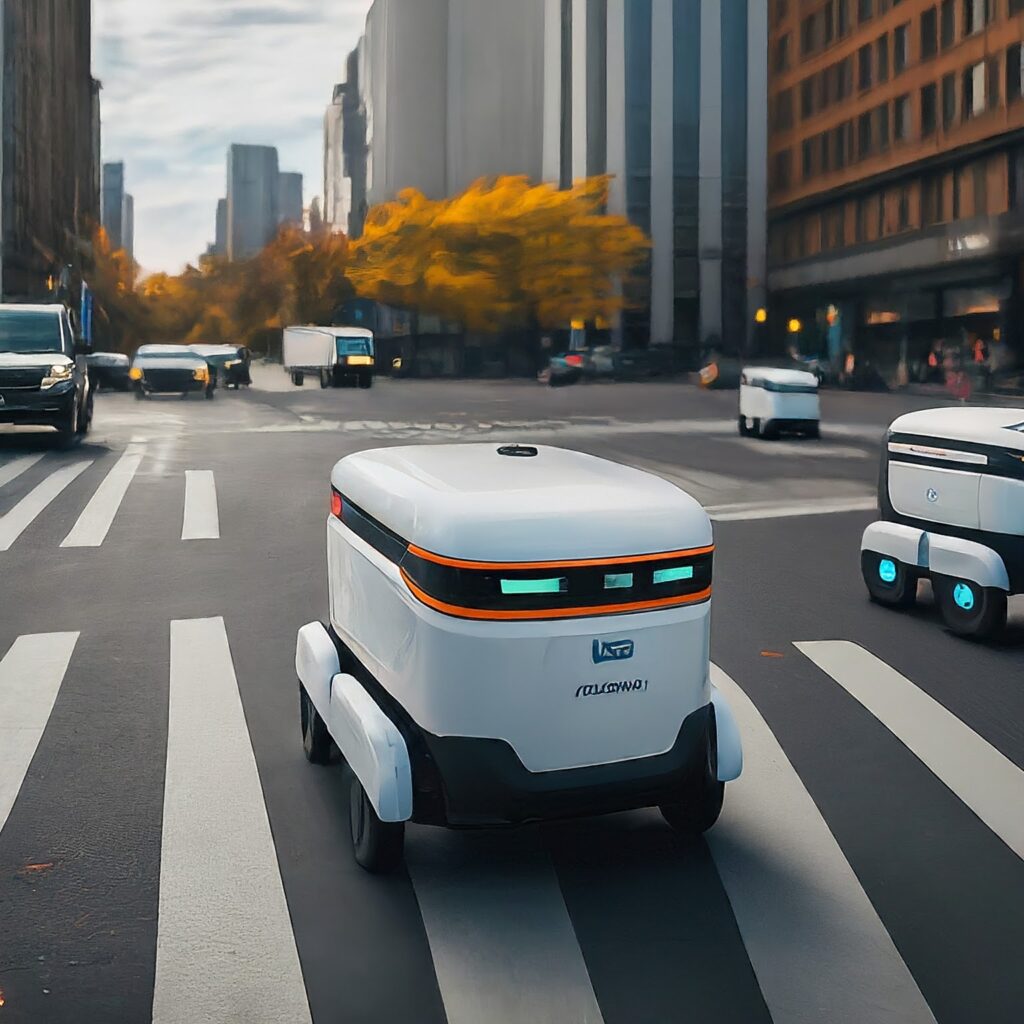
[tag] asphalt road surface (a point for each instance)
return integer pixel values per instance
(167, 854)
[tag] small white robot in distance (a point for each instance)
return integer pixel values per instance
(516, 634)
(774, 402)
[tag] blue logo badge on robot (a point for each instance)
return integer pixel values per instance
(964, 596)
(887, 570)
(612, 650)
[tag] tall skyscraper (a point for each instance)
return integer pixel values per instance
(128, 227)
(220, 246)
(252, 200)
(669, 97)
(113, 204)
(289, 198)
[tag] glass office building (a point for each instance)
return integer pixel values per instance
(668, 96)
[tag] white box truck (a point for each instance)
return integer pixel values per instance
(337, 356)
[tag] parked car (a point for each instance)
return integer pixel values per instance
(169, 369)
(562, 370)
(44, 376)
(109, 370)
(228, 364)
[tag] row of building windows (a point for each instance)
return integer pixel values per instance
(958, 97)
(940, 26)
(987, 186)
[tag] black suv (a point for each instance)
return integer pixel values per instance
(44, 378)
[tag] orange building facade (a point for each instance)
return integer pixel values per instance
(896, 180)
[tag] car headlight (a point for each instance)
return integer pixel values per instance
(202, 374)
(56, 374)
(135, 373)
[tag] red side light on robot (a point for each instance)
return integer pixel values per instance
(574, 360)
(335, 504)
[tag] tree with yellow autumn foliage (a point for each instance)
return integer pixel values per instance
(503, 254)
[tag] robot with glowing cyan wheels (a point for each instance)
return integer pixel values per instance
(951, 494)
(516, 634)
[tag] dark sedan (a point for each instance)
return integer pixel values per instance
(109, 370)
(169, 369)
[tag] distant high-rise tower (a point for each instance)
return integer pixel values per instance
(128, 226)
(112, 204)
(220, 246)
(252, 201)
(289, 198)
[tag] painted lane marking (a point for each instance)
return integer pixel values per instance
(24, 513)
(978, 774)
(95, 521)
(225, 947)
(816, 943)
(500, 935)
(12, 470)
(202, 519)
(31, 675)
(752, 511)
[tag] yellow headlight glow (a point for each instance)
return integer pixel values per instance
(202, 374)
(135, 373)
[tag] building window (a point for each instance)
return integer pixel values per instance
(1017, 177)
(958, 188)
(903, 209)
(779, 11)
(881, 129)
(992, 83)
(948, 23)
(948, 101)
(1016, 6)
(980, 175)
(928, 110)
(824, 157)
(901, 118)
(808, 34)
(782, 170)
(929, 40)
(865, 9)
(839, 147)
(1014, 78)
(900, 48)
(807, 159)
(864, 67)
(843, 17)
(977, 14)
(864, 135)
(780, 61)
(844, 74)
(973, 91)
(931, 200)
(829, 15)
(783, 119)
(807, 98)
(882, 52)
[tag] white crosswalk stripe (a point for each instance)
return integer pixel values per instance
(817, 945)
(31, 674)
(94, 523)
(225, 949)
(12, 470)
(14, 524)
(986, 781)
(202, 518)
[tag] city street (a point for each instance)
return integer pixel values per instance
(168, 854)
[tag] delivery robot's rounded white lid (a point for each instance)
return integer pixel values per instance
(758, 375)
(494, 502)
(1001, 428)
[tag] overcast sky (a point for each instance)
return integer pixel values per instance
(182, 79)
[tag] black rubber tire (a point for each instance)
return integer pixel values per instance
(744, 429)
(983, 621)
(85, 421)
(700, 808)
(767, 430)
(378, 845)
(900, 593)
(366, 383)
(325, 381)
(68, 431)
(316, 740)
(813, 431)
(298, 379)
(755, 428)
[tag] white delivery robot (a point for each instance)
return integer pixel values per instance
(775, 401)
(951, 494)
(516, 634)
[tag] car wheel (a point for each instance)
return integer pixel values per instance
(702, 804)
(316, 740)
(813, 431)
(298, 379)
(325, 381)
(85, 423)
(377, 845)
(768, 430)
(366, 383)
(968, 609)
(67, 432)
(744, 429)
(888, 580)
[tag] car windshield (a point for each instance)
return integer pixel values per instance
(354, 347)
(29, 332)
(165, 353)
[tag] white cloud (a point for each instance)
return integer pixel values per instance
(182, 80)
